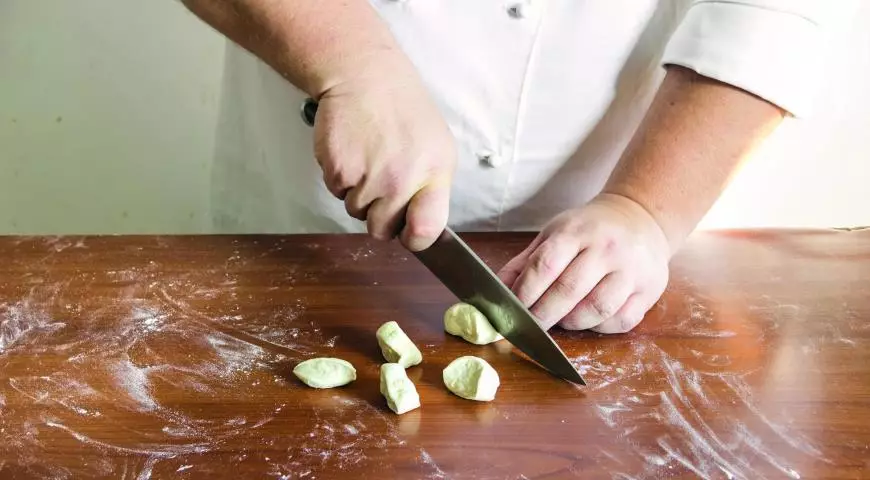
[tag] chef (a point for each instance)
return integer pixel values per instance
(609, 126)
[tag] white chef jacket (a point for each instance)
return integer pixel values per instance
(542, 97)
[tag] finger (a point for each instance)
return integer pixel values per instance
(545, 264)
(340, 177)
(357, 202)
(509, 273)
(384, 218)
(603, 302)
(629, 316)
(339, 182)
(573, 285)
(339, 193)
(426, 217)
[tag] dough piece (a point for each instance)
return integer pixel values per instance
(398, 389)
(463, 320)
(325, 372)
(471, 378)
(396, 346)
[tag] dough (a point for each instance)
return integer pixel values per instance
(463, 320)
(396, 346)
(471, 378)
(325, 372)
(398, 389)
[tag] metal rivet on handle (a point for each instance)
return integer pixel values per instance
(308, 110)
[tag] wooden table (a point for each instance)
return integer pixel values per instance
(138, 357)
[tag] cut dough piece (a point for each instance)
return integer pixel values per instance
(463, 320)
(471, 378)
(325, 372)
(396, 346)
(398, 389)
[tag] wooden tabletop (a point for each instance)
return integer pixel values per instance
(158, 357)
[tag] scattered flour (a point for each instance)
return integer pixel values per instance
(115, 365)
(673, 402)
(21, 320)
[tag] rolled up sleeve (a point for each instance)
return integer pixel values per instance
(770, 48)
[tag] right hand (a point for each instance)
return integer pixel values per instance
(386, 151)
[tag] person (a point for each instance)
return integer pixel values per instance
(610, 127)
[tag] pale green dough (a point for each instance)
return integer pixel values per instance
(325, 372)
(396, 346)
(398, 389)
(463, 320)
(471, 378)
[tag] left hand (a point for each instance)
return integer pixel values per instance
(599, 267)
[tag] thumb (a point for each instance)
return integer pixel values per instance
(426, 216)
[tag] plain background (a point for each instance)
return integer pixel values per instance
(108, 112)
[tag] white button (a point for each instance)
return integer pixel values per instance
(489, 158)
(520, 10)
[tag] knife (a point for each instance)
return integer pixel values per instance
(465, 274)
(473, 282)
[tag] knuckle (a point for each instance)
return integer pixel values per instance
(564, 286)
(602, 306)
(609, 246)
(391, 181)
(546, 259)
(422, 228)
(340, 179)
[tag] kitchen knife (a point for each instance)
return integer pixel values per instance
(467, 277)
(465, 274)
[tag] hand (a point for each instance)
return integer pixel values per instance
(387, 153)
(600, 267)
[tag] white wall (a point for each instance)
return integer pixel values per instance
(107, 116)
(108, 111)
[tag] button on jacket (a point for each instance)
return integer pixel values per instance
(542, 97)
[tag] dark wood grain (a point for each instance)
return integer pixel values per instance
(158, 357)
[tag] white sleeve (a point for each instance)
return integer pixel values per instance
(770, 48)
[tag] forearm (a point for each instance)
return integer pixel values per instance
(315, 44)
(693, 139)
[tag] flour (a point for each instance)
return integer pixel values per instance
(713, 360)
(361, 253)
(21, 320)
(700, 323)
(606, 412)
(116, 329)
(674, 402)
(145, 473)
(427, 460)
(135, 382)
(235, 357)
(148, 319)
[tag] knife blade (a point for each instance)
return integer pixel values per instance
(471, 280)
(464, 273)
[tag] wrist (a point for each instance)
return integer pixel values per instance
(376, 68)
(671, 234)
